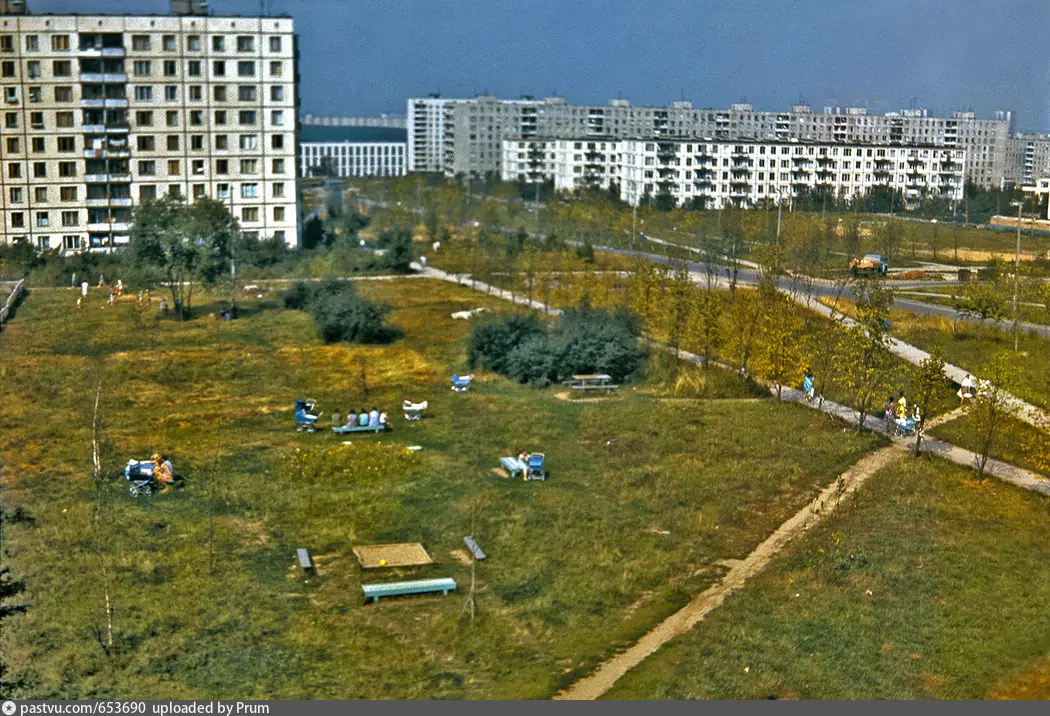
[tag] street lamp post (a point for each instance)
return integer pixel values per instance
(1017, 272)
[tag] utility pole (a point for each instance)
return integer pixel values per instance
(634, 224)
(780, 201)
(536, 219)
(1017, 273)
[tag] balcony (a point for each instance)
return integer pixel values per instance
(109, 103)
(101, 52)
(112, 153)
(106, 202)
(112, 78)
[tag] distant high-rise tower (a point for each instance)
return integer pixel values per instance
(12, 7)
(189, 7)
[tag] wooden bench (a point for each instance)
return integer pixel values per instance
(304, 560)
(472, 545)
(418, 586)
(592, 382)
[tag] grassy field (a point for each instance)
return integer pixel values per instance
(647, 492)
(929, 585)
(1009, 445)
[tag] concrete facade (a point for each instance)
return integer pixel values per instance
(743, 173)
(354, 159)
(104, 111)
(464, 134)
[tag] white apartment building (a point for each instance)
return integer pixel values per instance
(101, 112)
(742, 173)
(353, 159)
(467, 132)
(1027, 158)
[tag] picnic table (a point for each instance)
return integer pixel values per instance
(600, 381)
(513, 465)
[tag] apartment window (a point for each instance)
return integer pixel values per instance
(40, 194)
(277, 141)
(63, 94)
(11, 120)
(196, 93)
(43, 219)
(142, 68)
(140, 43)
(222, 166)
(197, 118)
(220, 117)
(218, 43)
(147, 169)
(67, 193)
(70, 218)
(7, 43)
(67, 144)
(198, 191)
(171, 68)
(278, 213)
(32, 43)
(249, 191)
(147, 192)
(144, 119)
(246, 93)
(245, 43)
(174, 190)
(277, 118)
(71, 243)
(193, 43)
(278, 190)
(173, 142)
(171, 118)
(222, 191)
(246, 117)
(171, 93)
(18, 219)
(67, 169)
(16, 195)
(250, 213)
(219, 93)
(33, 69)
(167, 42)
(277, 93)
(144, 93)
(218, 68)
(278, 166)
(245, 68)
(197, 167)
(62, 68)
(193, 68)
(221, 141)
(249, 141)
(145, 144)
(36, 120)
(7, 68)
(37, 145)
(275, 44)
(275, 68)
(40, 170)
(197, 142)
(59, 43)
(174, 166)
(13, 145)
(249, 166)
(36, 94)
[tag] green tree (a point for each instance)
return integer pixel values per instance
(989, 407)
(397, 246)
(183, 245)
(984, 301)
(928, 381)
(779, 357)
(865, 361)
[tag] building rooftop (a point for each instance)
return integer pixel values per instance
(315, 133)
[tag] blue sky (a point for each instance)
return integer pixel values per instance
(367, 56)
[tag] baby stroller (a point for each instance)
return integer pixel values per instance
(413, 411)
(906, 426)
(535, 467)
(140, 473)
(305, 418)
(461, 383)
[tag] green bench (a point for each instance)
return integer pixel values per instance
(418, 586)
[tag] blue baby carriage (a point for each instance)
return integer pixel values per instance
(305, 418)
(535, 467)
(461, 383)
(906, 427)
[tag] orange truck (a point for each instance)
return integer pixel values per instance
(869, 265)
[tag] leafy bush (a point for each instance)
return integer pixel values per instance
(583, 340)
(397, 245)
(339, 313)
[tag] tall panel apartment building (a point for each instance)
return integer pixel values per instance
(470, 131)
(104, 111)
(1027, 158)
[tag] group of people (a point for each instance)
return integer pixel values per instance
(372, 418)
(895, 413)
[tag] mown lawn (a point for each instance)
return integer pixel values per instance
(931, 584)
(1010, 445)
(647, 491)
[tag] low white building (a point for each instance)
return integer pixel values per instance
(718, 173)
(349, 151)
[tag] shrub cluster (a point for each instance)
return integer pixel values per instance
(582, 340)
(339, 313)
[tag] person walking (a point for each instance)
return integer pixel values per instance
(83, 289)
(902, 406)
(965, 389)
(808, 387)
(888, 416)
